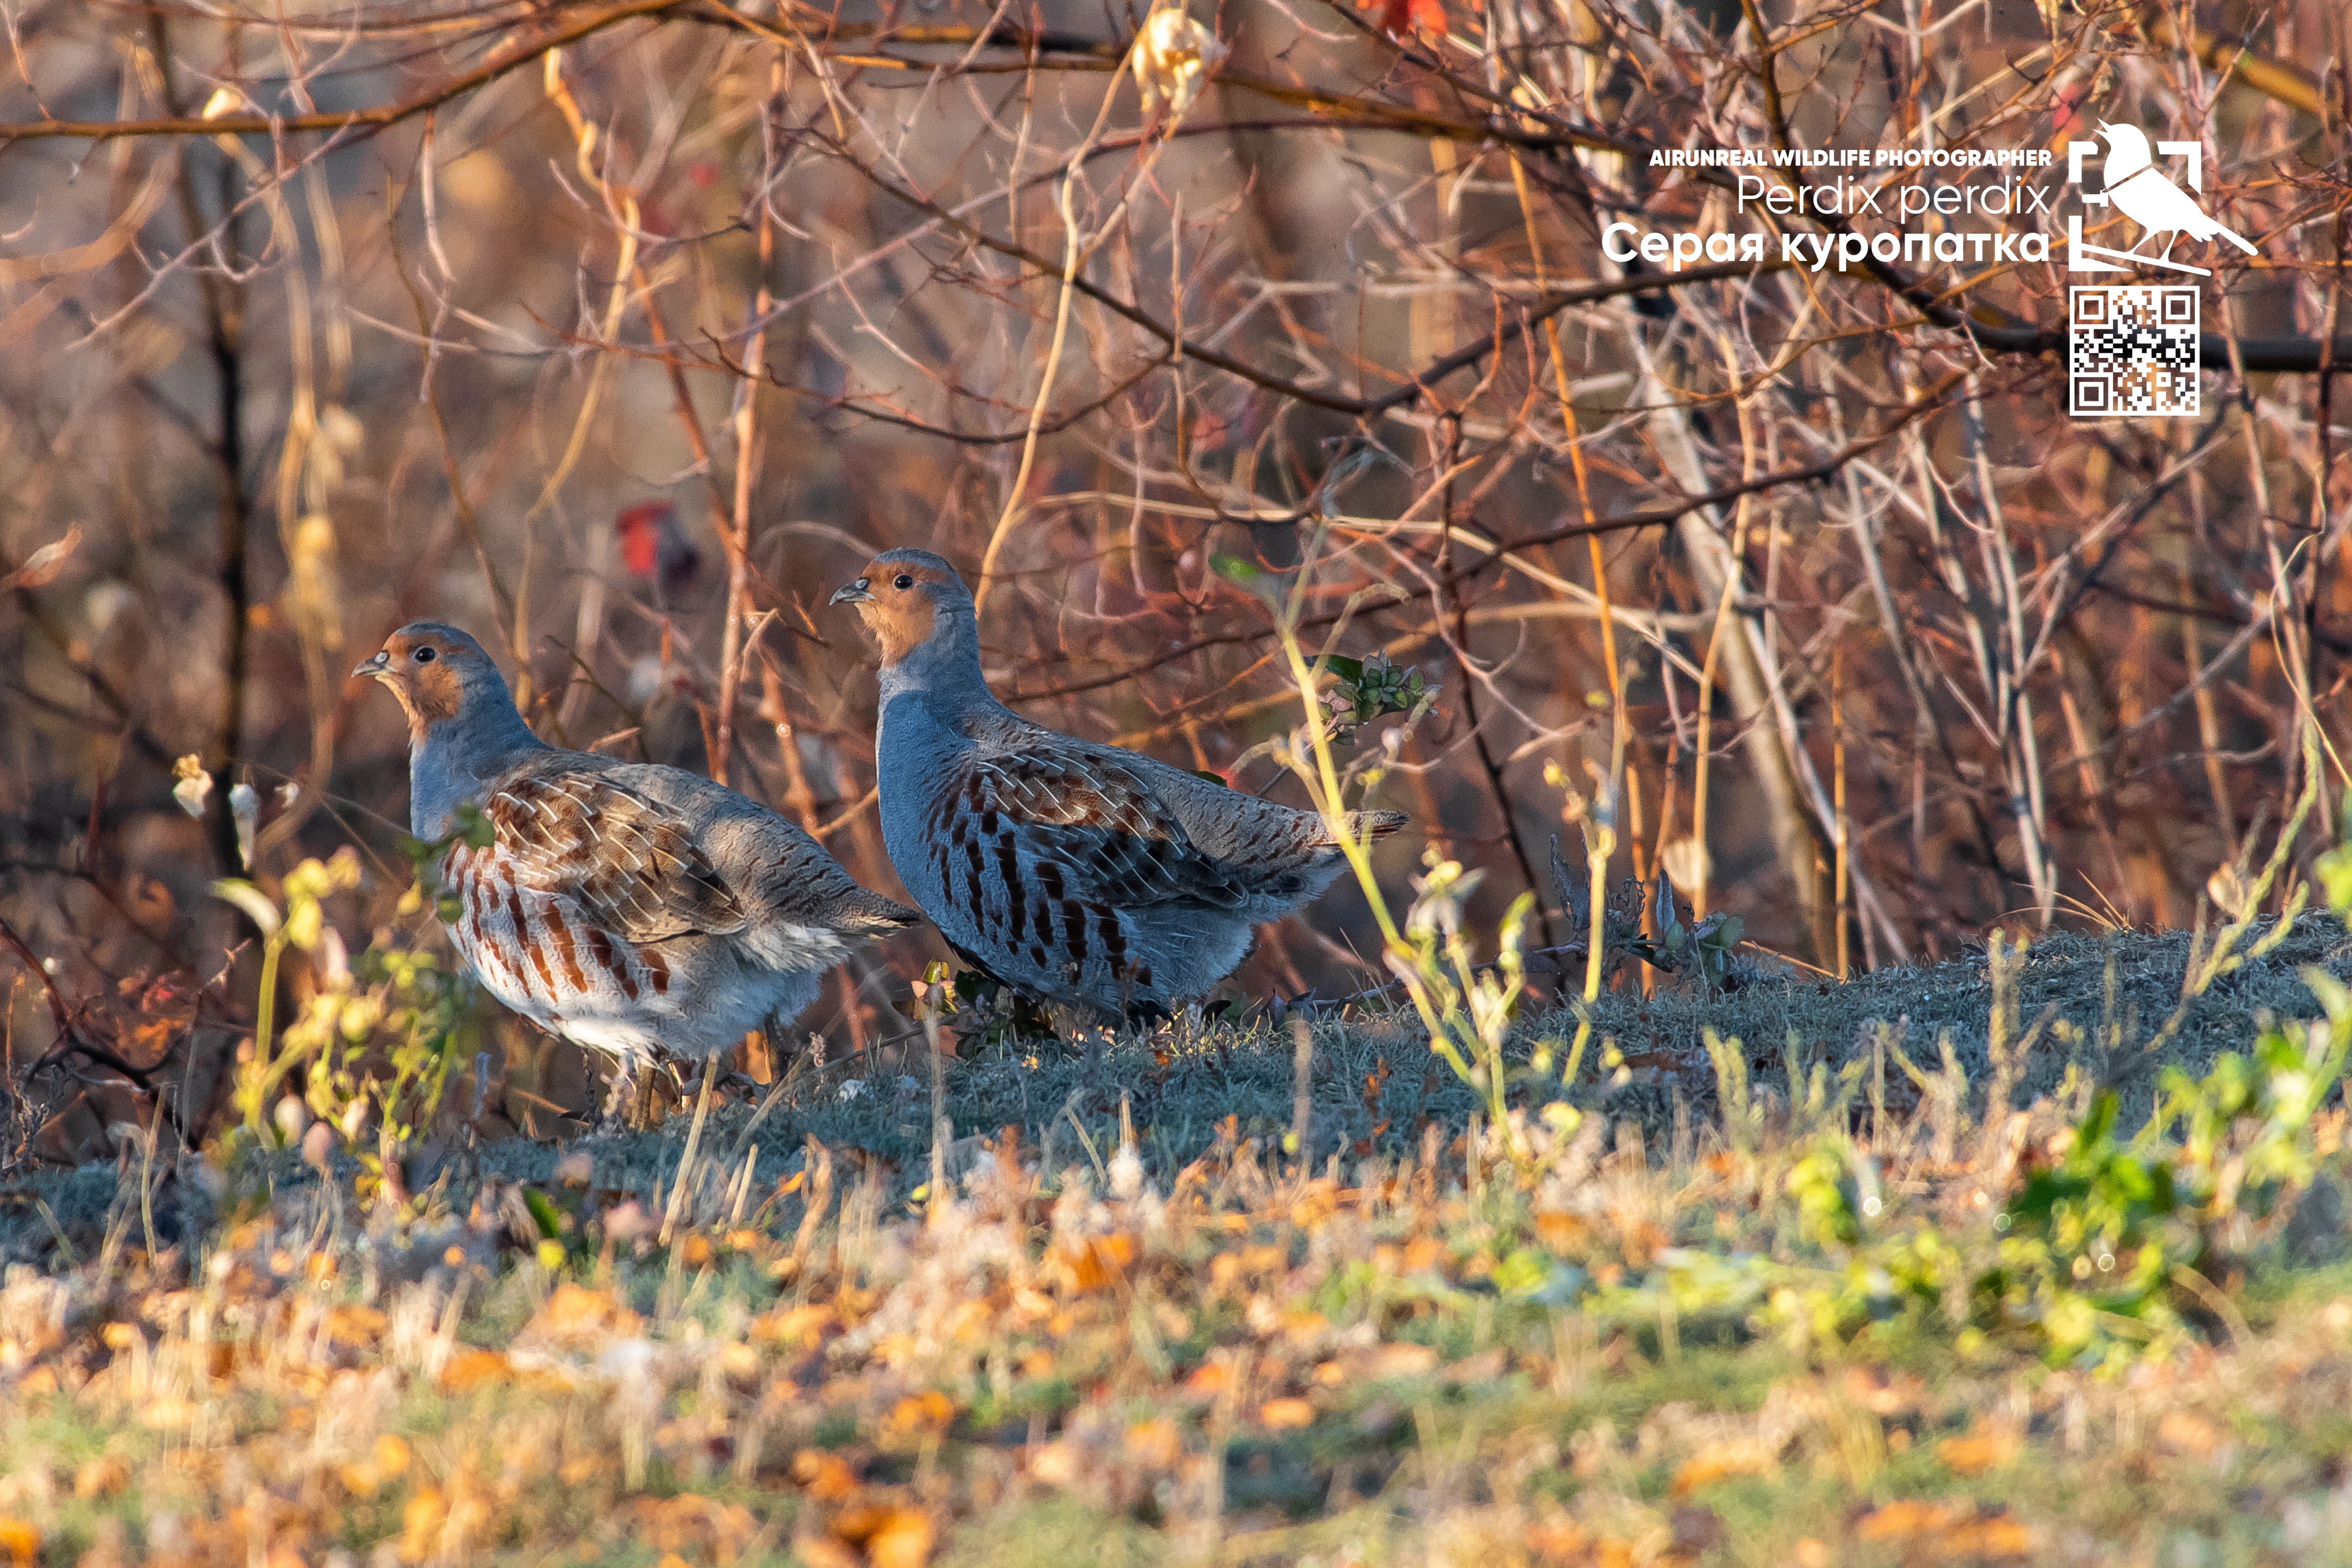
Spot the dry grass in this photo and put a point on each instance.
(1606, 1349)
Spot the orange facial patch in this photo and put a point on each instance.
(900, 618)
(428, 694)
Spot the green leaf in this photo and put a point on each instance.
(543, 1213)
(1350, 670)
(2335, 869)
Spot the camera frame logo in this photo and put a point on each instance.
(2132, 349)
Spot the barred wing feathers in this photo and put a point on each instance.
(631, 864)
(1094, 827)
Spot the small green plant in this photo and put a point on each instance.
(1465, 1006)
(2087, 1247)
(986, 1011)
(264, 1063)
(375, 1038)
(1365, 689)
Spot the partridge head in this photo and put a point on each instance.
(1082, 874)
(629, 907)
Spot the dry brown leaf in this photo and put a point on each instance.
(1875, 1392)
(420, 1524)
(101, 1477)
(1285, 1415)
(1997, 1536)
(824, 1551)
(930, 1411)
(573, 1311)
(1056, 1464)
(802, 1327)
(2186, 1434)
(1745, 1457)
(1093, 1264)
(822, 1476)
(471, 1368)
(1988, 1447)
(1905, 1518)
(903, 1541)
(1559, 1231)
(1555, 1537)
(1155, 1444)
(355, 1325)
(1209, 1377)
(1402, 1361)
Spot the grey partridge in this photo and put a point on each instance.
(629, 907)
(1083, 875)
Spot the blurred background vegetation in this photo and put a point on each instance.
(621, 333)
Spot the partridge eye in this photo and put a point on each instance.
(424, 656)
(902, 581)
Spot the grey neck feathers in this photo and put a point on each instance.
(945, 669)
(448, 766)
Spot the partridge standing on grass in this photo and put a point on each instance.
(1084, 875)
(629, 907)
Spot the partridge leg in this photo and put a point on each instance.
(618, 1095)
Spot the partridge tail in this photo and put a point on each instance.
(1381, 823)
(862, 910)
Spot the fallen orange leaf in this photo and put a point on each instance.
(1285, 1415)
(1556, 1538)
(803, 1326)
(1999, 1536)
(1155, 1443)
(469, 1370)
(824, 1551)
(2188, 1433)
(822, 1475)
(1988, 1447)
(573, 1309)
(355, 1325)
(101, 1477)
(1209, 1377)
(903, 1541)
(1902, 1520)
(390, 1456)
(929, 1411)
(20, 1540)
(1718, 1460)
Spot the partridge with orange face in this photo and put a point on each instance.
(628, 908)
(1084, 875)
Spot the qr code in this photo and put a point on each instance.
(2131, 349)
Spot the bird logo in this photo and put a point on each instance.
(2144, 193)
(2152, 201)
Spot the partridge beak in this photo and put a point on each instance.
(375, 666)
(855, 593)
